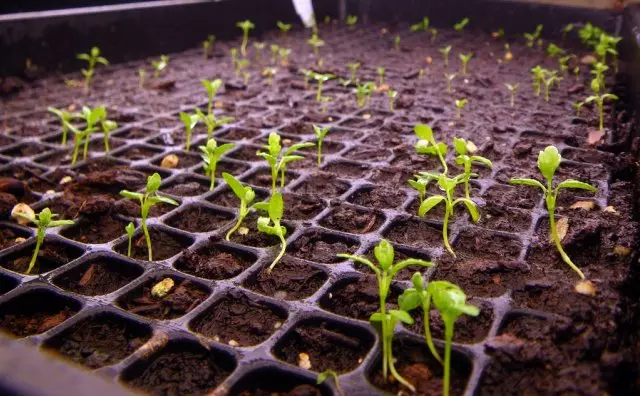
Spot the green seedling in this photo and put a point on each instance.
(160, 65)
(392, 94)
(445, 54)
(234, 57)
(270, 73)
(568, 28)
(212, 88)
(258, 48)
(466, 160)
(538, 77)
(245, 25)
(607, 45)
(449, 78)
(353, 69)
(434, 34)
(275, 49)
(91, 118)
(320, 79)
(422, 25)
(278, 159)
(448, 185)
(130, 228)
(428, 145)
(207, 45)
(147, 200)
(211, 121)
(321, 133)
(533, 37)
(315, 42)
(351, 21)
(325, 375)
(363, 93)
(498, 34)
(241, 64)
(246, 195)
(599, 99)
(578, 106)
(550, 79)
(461, 25)
(451, 302)
(189, 121)
(307, 73)
(271, 225)
(420, 183)
(284, 28)
(385, 271)
(465, 58)
(554, 51)
(43, 221)
(141, 76)
(323, 103)
(512, 91)
(93, 58)
(563, 62)
(65, 119)
(380, 71)
(599, 70)
(576, 72)
(284, 56)
(548, 162)
(396, 42)
(460, 103)
(590, 34)
(211, 154)
(508, 55)
(107, 126)
(246, 76)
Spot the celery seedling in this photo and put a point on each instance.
(448, 185)
(160, 65)
(147, 200)
(271, 225)
(351, 21)
(211, 154)
(278, 160)
(320, 135)
(450, 301)
(599, 68)
(385, 271)
(554, 51)
(422, 25)
(284, 28)
(270, 73)
(91, 117)
(512, 90)
(259, 47)
(549, 80)
(532, 37)
(321, 78)
(461, 25)
(445, 54)
(245, 25)
(563, 62)
(129, 229)
(420, 185)
(467, 161)
(284, 56)
(189, 121)
(363, 93)
(246, 195)
(353, 69)
(323, 103)
(548, 162)
(578, 106)
(315, 42)
(234, 57)
(325, 375)
(465, 58)
(396, 42)
(428, 145)
(92, 58)
(44, 221)
(107, 126)
(380, 70)
(211, 121)
(141, 75)
(65, 120)
(207, 45)
(599, 99)
(566, 30)
(307, 75)
(392, 94)
(275, 49)
(241, 64)
(538, 78)
(434, 34)
(460, 103)
(449, 78)
(212, 88)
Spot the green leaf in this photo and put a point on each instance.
(402, 316)
(460, 146)
(85, 57)
(131, 194)
(571, 183)
(167, 200)
(424, 132)
(236, 186)
(153, 183)
(299, 146)
(471, 207)
(276, 207)
(384, 254)
(263, 206)
(528, 182)
(482, 160)
(59, 223)
(409, 300)
(376, 317)
(224, 148)
(429, 204)
(418, 281)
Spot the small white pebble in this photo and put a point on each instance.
(65, 180)
(277, 325)
(233, 343)
(243, 230)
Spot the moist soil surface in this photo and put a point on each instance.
(538, 334)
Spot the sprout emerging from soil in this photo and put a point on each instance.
(599, 68)
(422, 25)
(107, 126)
(160, 65)
(207, 45)
(189, 121)
(392, 94)
(363, 93)
(538, 78)
(323, 103)
(554, 51)
(211, 121)
(321, 78)
(246, 195)
(385, 271)
(351, 21)
(396, 42)
(141, 75)
(147, 200)
(321, 133)
(278, 159)
(271, 225)
(234, 57)
(245, 25)
(465, 58)
(129, 229)
(434, 34)
(65, 119)
(512, 91)
(284, 28)
(445, 54)
(91, 118)
(448, 185)
(449, 78)
(258, 47)
(241, 64)
(533, 37)
(563, 62)
(284, 56)
(548, 162)
(578, 106)
(270, 73)
(461, 25)
(428, 145)
(550, 79)
(460, 103)
(325, 375)
(353, 69)
(568, 28)
(211, 154)
(275, 49)
(419, 183)
(212, 88)
(450, 301)
(380, 70)
(43, 221)
(607, 45)
(307, 75)
(460, 145)
(93, 58)
(315, 42)
(599, 99)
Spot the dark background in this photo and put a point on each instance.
(13, 6)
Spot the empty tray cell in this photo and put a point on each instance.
(347, 170)
(323, 185)
(353, 220)
(187, 186)
(515, 196)
(415, 233)
(11, 236)
(322, 247)
(199, 218)
(52, 254)
(277, 381)
(138, 152)
(185, 160)
(96, 229)
(99, 275)
(290, 279)
(215, 261)
(378, 197)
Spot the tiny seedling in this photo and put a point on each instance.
(284, 56)
(129, 229)
(385, 271)
(599, 69)
(578, 106)
(554, 51)
(550, 79)
(450, 301)
(461, 25)
(246, 76)
(380, 70)
(211, 154)
(93, 58)
(538, 77)
(212, 88)
(271, 225)
(590, 34)
(91, 118)
(246, 195)
(65, 119)
(392, 94)
(321, 133)
(576, 72)
(498, 33)
(307, 73)
(568, 28)
(211, 121)
(258, 47)
(189, 121)
(147, 200)
(434, 34)
(422, 25)
(284, 28)
(234, 57)
(512, 91)
(275, 49)
(363, 93)
(207, 45)
(465, 58)
(245, 25)
(321, 78)
(548, 162)
(449, 78)
(396, 42)
(508, 55)
(351, 21)
(460, 103)
(533, 37)
(325, 375)
(323, 103)
(278, 159)
(353, 69)
(315, 42)
(160, 65)
(43, 221)
(141, 76)
(419, 183)
(563, 62)
(107, 126)
(445, 54)
(270, 73)
(599, 99)
(428, 145)
(241, 64)
(448, 185)
(466, 160)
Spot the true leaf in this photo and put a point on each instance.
(429, 204)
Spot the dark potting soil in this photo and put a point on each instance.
(163, 245)
(50, 256)
(293, 280)
(214, 262)
(98, 277)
